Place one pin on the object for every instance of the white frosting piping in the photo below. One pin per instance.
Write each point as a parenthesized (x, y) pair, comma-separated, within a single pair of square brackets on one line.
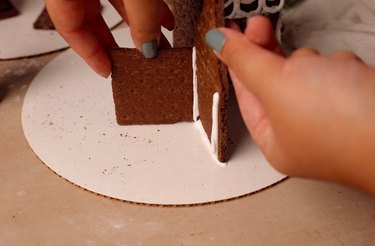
[(199, 126), (195, 86), (263, 8), (215, 125), (212, 145)]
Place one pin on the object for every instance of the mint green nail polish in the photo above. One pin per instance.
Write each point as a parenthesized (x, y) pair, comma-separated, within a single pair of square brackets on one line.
[(215, 39), (150, 49)]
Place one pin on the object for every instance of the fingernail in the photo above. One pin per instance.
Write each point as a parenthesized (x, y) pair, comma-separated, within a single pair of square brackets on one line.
[(215, 39), (150, 49)]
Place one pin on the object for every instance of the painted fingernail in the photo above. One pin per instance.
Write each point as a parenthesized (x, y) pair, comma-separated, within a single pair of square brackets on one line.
[(215, 39), (150, 49)]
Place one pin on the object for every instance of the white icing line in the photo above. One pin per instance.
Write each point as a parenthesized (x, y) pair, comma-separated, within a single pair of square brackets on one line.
[(215, 129), (215, 124), (212, 145), (198, 125), (195, 86), (263, 8)]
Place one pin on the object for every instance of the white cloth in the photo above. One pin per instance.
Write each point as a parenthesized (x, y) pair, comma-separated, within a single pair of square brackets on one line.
[(331, 25)]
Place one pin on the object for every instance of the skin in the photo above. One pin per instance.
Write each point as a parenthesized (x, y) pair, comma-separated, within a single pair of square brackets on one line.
[(81, 24), (312, 115)]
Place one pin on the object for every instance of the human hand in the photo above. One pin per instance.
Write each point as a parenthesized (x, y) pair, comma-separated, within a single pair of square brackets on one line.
[(81, 24), (312, 116)]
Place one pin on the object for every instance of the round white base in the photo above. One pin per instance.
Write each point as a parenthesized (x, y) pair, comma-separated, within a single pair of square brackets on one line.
[(19, 38), (69, 120)]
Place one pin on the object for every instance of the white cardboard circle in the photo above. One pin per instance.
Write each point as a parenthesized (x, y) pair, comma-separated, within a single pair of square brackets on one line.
[(19, 38), (69, 120)]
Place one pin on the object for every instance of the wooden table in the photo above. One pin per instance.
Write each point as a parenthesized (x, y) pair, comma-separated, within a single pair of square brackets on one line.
[(37, 207)]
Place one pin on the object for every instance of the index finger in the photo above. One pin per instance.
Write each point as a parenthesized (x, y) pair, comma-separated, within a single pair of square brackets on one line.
[(82, 26), (257, 68)]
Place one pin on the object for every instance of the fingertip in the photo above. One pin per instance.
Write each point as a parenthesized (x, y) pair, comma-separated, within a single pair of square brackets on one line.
[(258, 20), (169, 28), (259, 30), (100, 63), (104, 74), (147, 42), (145, 24)]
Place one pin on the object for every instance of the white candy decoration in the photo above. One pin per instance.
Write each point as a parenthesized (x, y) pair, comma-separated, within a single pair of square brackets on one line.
[(263, 8)]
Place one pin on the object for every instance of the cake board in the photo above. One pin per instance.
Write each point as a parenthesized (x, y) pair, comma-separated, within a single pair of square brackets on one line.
[(19, 39), (69, 121)]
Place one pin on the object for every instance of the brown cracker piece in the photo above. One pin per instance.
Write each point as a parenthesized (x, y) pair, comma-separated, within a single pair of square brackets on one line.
[(44, 21), (186, 13), (152, 91), (212, 75), (7, 9)]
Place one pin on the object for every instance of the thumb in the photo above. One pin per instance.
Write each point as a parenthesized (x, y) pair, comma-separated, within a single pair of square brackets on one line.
[(257, 68)]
